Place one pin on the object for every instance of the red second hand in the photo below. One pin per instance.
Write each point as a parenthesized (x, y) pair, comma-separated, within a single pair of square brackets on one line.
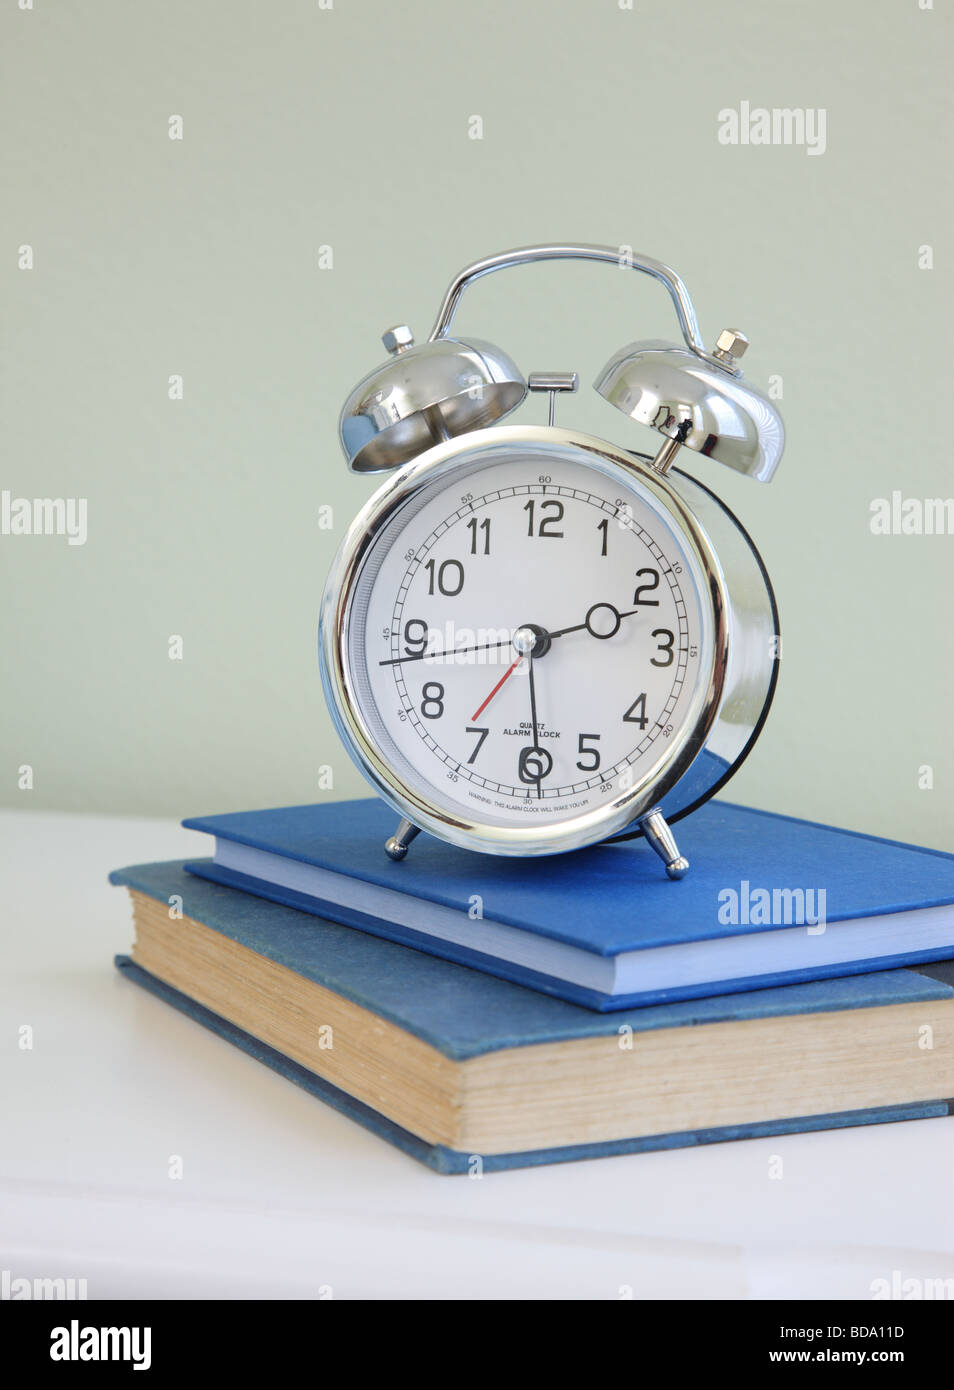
[(508, 672)]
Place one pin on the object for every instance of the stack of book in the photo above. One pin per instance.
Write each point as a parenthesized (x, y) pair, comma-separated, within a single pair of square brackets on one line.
[(521, 1012)]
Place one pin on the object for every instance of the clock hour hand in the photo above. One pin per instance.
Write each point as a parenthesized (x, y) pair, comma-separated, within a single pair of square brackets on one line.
[(602, 621)]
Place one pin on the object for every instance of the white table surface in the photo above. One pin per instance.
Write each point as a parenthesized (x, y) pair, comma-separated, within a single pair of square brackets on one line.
[(282, 1197)]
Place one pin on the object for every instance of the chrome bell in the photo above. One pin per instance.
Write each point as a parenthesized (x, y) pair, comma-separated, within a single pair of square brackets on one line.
[(423, 395), (699, 402)]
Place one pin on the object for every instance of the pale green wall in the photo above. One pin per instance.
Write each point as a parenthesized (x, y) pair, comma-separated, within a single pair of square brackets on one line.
[(349, 127)]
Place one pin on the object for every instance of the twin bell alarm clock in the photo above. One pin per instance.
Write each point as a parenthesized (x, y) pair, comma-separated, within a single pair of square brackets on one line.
[(532, 639)]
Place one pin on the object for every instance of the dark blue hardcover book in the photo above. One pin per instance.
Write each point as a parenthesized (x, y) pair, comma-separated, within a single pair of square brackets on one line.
[(456, 1066), (769, 900)]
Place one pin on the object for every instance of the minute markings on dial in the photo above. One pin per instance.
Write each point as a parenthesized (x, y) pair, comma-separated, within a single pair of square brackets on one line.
[(623, 514)]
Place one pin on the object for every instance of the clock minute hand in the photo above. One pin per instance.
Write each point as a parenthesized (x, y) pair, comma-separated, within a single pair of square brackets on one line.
[(454, 651)]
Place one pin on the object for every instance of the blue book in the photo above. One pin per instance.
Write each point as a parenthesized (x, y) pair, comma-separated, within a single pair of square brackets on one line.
[(466, 1071), (769, 900)]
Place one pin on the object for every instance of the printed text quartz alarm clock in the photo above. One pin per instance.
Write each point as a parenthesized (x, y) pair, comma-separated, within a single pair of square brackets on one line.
[(532, 639)]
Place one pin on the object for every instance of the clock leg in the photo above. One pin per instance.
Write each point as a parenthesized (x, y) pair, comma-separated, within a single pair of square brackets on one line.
[(396, 846), (657, 832)]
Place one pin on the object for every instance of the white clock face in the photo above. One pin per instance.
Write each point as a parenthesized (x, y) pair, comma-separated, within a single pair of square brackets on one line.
[(527, 640)]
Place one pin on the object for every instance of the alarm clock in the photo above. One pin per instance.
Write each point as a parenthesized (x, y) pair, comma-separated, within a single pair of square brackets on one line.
[(532, 639)]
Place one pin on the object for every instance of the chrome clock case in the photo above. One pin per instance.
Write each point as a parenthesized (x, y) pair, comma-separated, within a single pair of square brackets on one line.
[(431, 411)]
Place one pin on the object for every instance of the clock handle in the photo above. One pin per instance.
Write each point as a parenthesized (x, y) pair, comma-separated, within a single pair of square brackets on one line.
[(523, 255)]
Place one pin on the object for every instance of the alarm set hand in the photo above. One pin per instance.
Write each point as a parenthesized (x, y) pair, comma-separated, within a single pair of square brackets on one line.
[(527, 641), (534, 762), (506, 675)]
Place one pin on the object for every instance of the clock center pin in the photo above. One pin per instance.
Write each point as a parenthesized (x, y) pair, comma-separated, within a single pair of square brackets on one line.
[(531, 640)]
